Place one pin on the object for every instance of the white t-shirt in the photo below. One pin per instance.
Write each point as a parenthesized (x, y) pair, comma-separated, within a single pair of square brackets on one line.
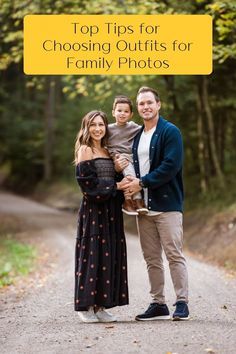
[(144, 162)]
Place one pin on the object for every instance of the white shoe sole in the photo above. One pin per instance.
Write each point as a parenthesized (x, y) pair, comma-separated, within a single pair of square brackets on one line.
[(107, 321), (181, 318), (134, 213), (153, 318)]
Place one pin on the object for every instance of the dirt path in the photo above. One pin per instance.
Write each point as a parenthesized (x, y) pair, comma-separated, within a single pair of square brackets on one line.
[(43, 321)]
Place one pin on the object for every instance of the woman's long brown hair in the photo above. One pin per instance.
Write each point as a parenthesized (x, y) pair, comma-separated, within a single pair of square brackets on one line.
[(83, 136)]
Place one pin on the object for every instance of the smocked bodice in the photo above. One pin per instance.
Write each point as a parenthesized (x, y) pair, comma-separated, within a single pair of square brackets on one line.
[(104, 168)]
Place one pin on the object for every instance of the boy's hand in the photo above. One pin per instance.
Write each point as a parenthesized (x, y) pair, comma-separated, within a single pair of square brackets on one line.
[(120, 163), (130, 178)]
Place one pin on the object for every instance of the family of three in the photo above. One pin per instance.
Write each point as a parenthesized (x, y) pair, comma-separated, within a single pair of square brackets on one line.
[(141, 169)]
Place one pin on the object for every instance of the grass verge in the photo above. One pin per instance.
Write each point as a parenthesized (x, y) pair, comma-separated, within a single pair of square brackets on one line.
[(17, 259)]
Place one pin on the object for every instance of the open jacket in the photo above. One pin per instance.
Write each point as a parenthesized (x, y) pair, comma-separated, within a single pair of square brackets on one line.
[(164, 180)]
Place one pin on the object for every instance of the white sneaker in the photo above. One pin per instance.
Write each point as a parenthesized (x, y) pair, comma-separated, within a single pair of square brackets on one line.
[(105, 316), (135, 213), (143, 211), (88, 316)]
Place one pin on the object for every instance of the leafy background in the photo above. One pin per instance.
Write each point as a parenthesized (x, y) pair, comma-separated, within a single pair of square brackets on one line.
[(40, 115)]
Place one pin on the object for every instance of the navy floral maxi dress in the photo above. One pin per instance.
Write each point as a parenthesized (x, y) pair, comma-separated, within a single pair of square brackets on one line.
[(100, 255)]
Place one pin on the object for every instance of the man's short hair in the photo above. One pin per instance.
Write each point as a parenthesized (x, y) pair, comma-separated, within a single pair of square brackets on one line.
[(144, 89), (122, 99)]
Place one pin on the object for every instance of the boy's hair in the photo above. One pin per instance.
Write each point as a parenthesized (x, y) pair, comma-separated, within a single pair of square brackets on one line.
[(123, 99), (144, 89)]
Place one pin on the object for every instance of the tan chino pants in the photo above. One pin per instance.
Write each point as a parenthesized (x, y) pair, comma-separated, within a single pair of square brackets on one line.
[(164, 232)]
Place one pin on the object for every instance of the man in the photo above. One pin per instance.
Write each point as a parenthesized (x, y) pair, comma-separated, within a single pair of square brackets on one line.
[(158, 156)]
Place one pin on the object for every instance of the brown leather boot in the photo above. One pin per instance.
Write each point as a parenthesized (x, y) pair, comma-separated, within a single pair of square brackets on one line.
[(128, 207), (140, 206)]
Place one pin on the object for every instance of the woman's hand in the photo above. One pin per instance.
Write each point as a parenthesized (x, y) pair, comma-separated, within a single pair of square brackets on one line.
[(122, 185), (120, 163)]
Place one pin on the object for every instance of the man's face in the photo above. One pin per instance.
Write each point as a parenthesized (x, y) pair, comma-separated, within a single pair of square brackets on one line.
[(148, 107)]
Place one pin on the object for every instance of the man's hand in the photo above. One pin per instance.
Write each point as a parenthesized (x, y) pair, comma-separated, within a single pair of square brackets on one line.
[(120, 163), (132, 187)]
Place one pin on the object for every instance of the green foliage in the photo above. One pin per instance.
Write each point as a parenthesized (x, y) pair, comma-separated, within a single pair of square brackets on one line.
[(214, 200), (24, 99), (224, 17), (223, 52), (17, 259)]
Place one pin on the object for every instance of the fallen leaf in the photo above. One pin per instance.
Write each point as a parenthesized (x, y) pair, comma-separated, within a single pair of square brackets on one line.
[(210, 350)]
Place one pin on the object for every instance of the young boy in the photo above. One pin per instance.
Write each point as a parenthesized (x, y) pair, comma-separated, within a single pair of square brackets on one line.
[(120, 140)]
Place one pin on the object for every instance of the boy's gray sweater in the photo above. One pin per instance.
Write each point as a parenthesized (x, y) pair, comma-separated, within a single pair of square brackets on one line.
[(120, 138)]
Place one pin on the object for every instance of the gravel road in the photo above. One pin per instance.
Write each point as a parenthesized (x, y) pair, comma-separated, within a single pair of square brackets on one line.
[(43, 320)]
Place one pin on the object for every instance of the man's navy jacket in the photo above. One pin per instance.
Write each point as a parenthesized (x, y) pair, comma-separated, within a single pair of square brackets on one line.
[(164, 180)]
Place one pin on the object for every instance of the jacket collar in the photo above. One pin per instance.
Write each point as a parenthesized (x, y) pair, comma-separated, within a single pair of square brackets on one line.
[(160, 124)]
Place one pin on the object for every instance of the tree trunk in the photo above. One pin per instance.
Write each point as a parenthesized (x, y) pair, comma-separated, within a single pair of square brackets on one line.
[(170, 84), (49, 127), (201, 142), (221, 135), (212, 142)]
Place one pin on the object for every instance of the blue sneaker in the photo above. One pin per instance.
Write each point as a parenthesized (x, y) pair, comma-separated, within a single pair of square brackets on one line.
[(155, 311), (181, 311)]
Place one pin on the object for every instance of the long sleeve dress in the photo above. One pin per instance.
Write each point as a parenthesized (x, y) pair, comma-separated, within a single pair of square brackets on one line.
[(100, 255)]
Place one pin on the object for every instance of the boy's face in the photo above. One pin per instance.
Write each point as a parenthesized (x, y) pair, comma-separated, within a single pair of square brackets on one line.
[(122, 113)]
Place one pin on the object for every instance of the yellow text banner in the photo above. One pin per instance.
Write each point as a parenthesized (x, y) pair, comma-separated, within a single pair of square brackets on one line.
[(117, 44)]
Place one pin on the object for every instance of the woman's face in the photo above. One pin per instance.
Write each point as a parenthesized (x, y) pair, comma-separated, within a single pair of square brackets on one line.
[(97, 129)]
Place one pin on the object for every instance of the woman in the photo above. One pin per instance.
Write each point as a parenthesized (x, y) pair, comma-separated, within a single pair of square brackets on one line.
[(100, 256)]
